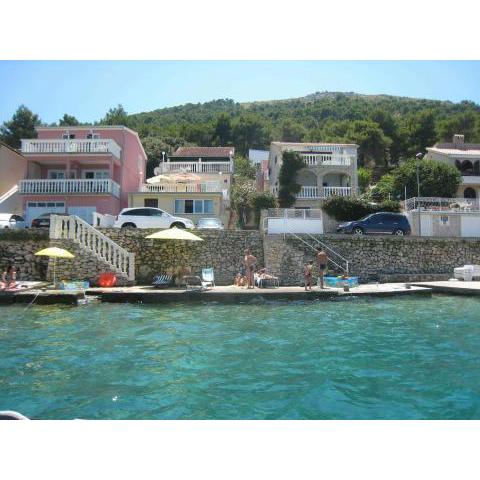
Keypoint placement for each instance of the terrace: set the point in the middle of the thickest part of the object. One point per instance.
(72, 146)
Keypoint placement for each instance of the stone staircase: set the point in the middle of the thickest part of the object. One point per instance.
(94, 252)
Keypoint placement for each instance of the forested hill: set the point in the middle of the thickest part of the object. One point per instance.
(386, 127)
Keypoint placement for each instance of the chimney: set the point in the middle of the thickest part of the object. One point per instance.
(458, 140)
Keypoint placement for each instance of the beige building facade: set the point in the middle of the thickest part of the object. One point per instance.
(466, 158)
(194, 182)
(13, 168)
(331, 169)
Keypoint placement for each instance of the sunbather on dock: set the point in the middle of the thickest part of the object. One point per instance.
(9, 278)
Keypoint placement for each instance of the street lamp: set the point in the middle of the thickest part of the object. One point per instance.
(163, 156)
(418, 157)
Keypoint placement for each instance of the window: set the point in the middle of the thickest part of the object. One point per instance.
(141, 212)
(194, 206)
(68, 136)
(150, 202)
(56, 174)
(96, 174)
(93, 136)
(444, 220)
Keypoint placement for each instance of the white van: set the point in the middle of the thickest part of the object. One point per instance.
(10, 220)
(150, 217)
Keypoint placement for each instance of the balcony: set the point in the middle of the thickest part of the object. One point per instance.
(470, 179)
(209, 187)
(69, 187)
(196, 167)
(308, 193)
(327, 160)
(54, 146)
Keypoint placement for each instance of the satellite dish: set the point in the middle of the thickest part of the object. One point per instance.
(156, 170)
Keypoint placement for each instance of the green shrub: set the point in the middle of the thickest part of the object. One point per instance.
(263, 200)
(7, 234)
(354, 208)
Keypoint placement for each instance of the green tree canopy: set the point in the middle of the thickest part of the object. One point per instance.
(116, 116)
(420, 132)
(222, 129)
(463, 123)
(364, 178)
(291, 131)
(292, 163)
(437, 179)
(250, 131)
(22, 125)
(244, 168)
(154, 147)
(68, 120)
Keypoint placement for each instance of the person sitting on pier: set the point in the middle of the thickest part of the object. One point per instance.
(9, 278)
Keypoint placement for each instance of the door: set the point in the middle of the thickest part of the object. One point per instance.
(35, 209)
(158, 219)
(150, 202)
(85, 213)
(376, 224)
(426, 225)
(470, 225)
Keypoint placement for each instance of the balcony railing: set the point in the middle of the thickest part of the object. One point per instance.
(327, 159)
(75, 187)
(307, 192)
(182, 188)
(442, 204)
(196, 167)
(55, 146)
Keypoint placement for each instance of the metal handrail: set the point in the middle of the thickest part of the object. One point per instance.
(345, 269)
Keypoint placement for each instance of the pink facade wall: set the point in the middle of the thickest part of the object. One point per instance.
(129, 173)
(103, 203)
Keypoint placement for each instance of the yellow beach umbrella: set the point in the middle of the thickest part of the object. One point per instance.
(54, 252)
(175, 234)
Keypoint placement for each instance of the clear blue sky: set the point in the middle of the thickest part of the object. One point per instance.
(88, 89)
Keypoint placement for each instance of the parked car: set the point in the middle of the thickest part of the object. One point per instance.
(10, 220)
(210, 223)
(43, 220)
(378, 224)
(150, 217)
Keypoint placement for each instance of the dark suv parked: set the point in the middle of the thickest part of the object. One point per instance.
(378, 224)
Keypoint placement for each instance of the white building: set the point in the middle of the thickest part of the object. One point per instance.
(331, 169)
(464, 156)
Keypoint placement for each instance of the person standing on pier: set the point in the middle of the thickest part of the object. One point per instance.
(322, 260)
(250, 262)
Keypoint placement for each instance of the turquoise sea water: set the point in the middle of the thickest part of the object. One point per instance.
(409, 358)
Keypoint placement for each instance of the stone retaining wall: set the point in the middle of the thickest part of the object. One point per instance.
(371, 258)
(376, 258)
(221, 249)
(19, 250)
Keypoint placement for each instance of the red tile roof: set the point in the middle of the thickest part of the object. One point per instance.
(204, 151)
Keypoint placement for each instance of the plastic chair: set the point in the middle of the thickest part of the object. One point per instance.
(107, 279)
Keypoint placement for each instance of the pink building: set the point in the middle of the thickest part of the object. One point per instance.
(81, 170)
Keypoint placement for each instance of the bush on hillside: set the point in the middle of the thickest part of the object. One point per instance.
(353, 208)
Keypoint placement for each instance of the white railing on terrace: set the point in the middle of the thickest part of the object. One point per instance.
(196, 167)
(88, 238)
(73, 186)
(308, 192)
(185, 187)
(71, 146)
(305, 213)
(439, 204)
(327, 160)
